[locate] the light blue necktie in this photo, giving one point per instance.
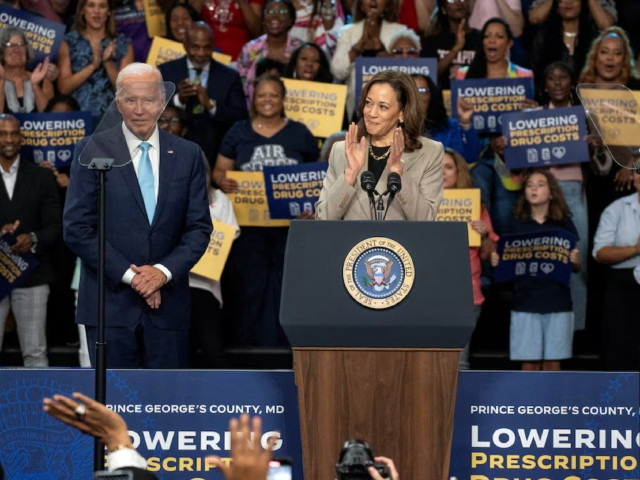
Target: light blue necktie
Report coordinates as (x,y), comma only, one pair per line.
(145,179)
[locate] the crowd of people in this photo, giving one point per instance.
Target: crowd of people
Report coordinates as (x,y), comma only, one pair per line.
(235,114)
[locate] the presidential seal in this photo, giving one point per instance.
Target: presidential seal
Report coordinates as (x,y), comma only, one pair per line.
(378,272)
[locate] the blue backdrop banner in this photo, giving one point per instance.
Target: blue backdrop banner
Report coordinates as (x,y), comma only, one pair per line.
(175,419)
(490,99)
(293,189)
(539,138)
(539,254)
(545,425)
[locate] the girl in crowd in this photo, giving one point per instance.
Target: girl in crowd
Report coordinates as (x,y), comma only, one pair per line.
(386,140)
(541,312)
(309,63)
(451,40)
(455,174)
(369,36)
(233,22)
(278,17)
(457,134)
(178,18)
(318,21)
(565,36)
(257,257)
(492,60)
(617,244)
(91,56)
(21,91)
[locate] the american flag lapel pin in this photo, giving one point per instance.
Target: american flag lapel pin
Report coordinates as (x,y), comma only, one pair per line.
(169,151)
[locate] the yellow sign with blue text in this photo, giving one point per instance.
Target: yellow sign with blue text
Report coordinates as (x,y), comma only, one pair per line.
(461,205)
(250,201)
(154,18)
(212,262)
(164,50)
(320,106)
(616,113)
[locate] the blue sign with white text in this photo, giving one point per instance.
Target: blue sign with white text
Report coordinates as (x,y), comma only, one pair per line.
(14,268)
(367,67)
(293,190)
(539,138)
(490,99)
(51,137)
(539,254)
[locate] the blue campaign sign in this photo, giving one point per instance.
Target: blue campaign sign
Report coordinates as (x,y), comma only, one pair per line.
(51,137)
(14,269)
(539,138)
(294,189)
(545,425)
(175,419)
(490,99)
(367,67)
(539,254)
(44,36)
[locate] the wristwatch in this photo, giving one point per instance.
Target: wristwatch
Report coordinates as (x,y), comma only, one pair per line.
(34,241)
(212,104)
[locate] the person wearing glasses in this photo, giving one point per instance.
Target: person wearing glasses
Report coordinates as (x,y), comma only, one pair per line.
(278,17)
(91,56)
(21,91)
(451,40)
(404,44)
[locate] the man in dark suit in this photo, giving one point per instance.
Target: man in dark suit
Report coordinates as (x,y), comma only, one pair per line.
(157,227)
(210,93)
(30,210)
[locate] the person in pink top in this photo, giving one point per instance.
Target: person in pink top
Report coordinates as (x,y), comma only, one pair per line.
(455,174)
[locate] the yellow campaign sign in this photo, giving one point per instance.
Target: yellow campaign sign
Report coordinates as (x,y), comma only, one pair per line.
(155,18)
(446,98)
(250,201)
(164,50)
(212,262)
(461,205)
(617,114)
(320,106)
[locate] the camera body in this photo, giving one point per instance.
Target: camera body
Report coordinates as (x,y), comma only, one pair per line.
(354,460)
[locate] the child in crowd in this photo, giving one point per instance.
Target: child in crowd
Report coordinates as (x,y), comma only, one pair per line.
(541,310)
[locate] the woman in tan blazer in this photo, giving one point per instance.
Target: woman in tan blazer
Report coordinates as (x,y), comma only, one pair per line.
(386,139)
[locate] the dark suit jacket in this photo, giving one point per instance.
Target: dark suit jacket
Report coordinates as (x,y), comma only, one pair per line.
(223,86)
(36,204)
(177,237)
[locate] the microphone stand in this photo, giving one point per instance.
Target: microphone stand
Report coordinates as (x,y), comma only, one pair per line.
(102,165)
(380,213)
(392,195)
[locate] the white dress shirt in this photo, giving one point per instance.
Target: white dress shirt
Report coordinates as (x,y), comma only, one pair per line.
(9,178)
(204,78)
(133,145)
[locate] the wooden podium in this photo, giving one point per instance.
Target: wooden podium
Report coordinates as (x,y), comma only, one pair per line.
(385,376)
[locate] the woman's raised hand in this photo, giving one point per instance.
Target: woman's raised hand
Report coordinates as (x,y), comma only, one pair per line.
(356,154)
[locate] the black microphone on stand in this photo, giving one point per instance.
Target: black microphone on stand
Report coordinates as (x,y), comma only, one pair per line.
(394,185)
(368,183)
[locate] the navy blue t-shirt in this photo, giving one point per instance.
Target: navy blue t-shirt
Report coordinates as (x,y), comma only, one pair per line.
(251,151)
(540,295)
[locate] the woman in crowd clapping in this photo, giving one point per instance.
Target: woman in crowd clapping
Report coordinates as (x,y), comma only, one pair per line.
(21,91)
(319,21)
(369,35)
(178,18)
(91,56)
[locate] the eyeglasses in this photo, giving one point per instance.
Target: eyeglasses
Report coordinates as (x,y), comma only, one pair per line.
(461,1)
(423,90)
(15,45)
(281,11)
(172,121)
(408,51)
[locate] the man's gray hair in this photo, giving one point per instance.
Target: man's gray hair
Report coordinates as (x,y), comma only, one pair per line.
(135,69)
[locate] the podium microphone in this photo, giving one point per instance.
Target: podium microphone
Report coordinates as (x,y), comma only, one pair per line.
(368,183)
(394,185)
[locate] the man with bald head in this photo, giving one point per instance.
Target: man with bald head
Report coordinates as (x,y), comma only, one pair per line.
(157,228)
(209,92)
